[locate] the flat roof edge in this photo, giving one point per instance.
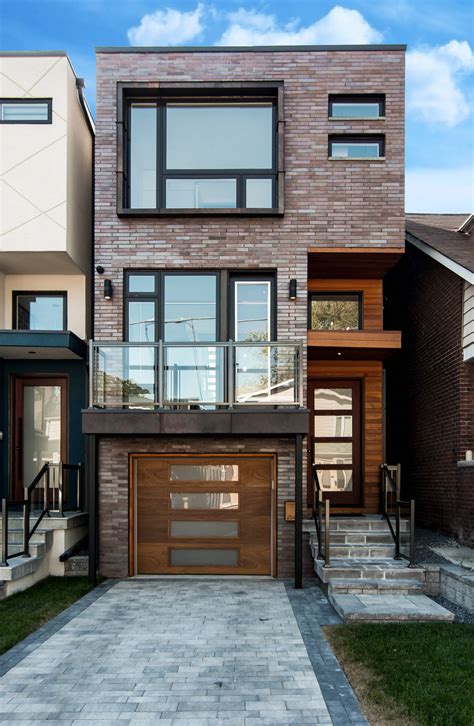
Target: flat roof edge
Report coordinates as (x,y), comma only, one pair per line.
(245,48)
(31,53)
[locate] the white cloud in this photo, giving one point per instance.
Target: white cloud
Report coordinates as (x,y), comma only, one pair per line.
(340,25)
(167,27)
(439,190)
(434,77)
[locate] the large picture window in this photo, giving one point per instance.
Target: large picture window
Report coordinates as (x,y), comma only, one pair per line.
(202,153)
(39,311)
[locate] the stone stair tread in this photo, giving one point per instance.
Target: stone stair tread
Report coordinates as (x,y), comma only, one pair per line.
(373,583)
(384,608)
(19,567)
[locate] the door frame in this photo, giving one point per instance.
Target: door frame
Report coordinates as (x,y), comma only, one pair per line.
(132,503)
(17,384)
(358,417)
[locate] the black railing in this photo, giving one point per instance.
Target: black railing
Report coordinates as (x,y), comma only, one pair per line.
(321,513)
(48,484)
(392,507)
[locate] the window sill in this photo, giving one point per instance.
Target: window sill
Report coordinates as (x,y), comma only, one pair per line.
(356,158)
(230,212)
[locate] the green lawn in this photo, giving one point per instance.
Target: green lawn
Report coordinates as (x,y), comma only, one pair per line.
(420,673)
(24,612)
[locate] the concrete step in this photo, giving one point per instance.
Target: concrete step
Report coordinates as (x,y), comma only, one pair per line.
(385,569)
(19,567)
(16,536)
(361,586)
(388,608)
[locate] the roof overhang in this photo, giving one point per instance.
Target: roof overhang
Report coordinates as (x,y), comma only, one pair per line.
(447,262)
(41,345)
(352,262)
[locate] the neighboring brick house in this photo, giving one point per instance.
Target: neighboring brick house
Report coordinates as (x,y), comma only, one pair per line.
(242,194)
(430,384)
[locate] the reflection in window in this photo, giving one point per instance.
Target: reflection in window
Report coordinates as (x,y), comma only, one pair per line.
(252,310)
(335,312)
(201,193)
(332,426)
(204,500)
(332,399)
(363,149)
(335,452)
(40,311)
(190,308)
(204,472)
(335,480)
(143,156)
(259,193)
(219,136)
(29,112)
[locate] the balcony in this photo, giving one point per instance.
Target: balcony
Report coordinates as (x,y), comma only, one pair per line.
(195,376)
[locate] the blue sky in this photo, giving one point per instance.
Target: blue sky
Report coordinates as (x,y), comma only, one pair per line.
(440,60)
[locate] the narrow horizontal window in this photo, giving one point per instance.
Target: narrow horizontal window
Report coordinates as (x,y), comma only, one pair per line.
(24,111)
(206,529)
(204,472)
(333,426)
(204,500)
(201,193)
(333,453)
(347,147)
(335,311)
(355,107)
(202,558)
(335,480)
(141,283)
(332,399)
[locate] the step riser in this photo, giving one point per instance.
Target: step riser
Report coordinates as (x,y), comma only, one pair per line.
(363,525)
(326,574)
(376,552)
(395,590)
(361,538)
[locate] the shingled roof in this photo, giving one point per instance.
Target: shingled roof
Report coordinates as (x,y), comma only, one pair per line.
(439,232)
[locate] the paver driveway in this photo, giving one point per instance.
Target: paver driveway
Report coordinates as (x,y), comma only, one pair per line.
(184,651)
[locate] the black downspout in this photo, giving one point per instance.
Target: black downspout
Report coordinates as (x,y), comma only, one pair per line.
(298,511)
(91,474)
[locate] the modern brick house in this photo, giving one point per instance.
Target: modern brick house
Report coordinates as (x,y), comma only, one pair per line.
(249,202)
(430,384)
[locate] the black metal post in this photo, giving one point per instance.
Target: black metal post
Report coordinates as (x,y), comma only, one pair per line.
(327,533)
(26,523)
(91,479)
(412,533)
(298,511)
(4,562)
(397,530)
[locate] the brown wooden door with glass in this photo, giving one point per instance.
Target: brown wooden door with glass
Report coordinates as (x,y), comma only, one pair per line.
(336,439)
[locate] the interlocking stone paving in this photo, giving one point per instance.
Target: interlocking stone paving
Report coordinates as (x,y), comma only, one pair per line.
(179,651)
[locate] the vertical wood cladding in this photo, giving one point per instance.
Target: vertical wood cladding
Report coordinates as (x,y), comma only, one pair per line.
(430,394)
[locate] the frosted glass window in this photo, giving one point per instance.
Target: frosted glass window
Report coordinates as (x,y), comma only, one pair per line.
(204,472)
(143,157)
(332,426)
(335,480)
(201,193)
(183,528)
(258,193)
(332,398)
(202,557)
(335,453)
(204,500)
(219,136)
(32,112)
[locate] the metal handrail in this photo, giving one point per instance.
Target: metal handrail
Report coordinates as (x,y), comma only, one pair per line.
(320,504)
(26,502)
(393,486)
(227,368)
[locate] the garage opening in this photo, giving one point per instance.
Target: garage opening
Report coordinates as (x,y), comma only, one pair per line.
(202,514)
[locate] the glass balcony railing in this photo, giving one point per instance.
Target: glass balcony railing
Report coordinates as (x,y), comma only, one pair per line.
(195,375)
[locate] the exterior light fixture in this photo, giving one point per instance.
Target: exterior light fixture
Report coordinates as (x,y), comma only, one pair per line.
(108,289)
(293,289)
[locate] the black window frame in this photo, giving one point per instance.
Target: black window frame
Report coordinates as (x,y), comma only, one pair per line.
(199,93)
(334,296)
(357,139)
(28,101)
(361,98)
(38,293)
(225,279)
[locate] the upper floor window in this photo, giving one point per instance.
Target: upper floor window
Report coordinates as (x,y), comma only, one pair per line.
(367,106)
(367,146)
(25,111)
(39,311)
(335,311)
(199,152)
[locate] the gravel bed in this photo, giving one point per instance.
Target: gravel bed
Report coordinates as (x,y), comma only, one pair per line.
(463,615)
(427,538)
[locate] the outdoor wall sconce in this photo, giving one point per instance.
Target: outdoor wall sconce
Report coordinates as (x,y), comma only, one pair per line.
(293,289)
(108,289)
(290,511)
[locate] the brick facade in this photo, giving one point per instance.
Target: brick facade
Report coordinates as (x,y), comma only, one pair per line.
(430,395)
(327,204)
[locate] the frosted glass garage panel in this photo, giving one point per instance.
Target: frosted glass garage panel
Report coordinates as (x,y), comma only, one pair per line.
(204,500)
(182,528)
(203,557)
(204,472)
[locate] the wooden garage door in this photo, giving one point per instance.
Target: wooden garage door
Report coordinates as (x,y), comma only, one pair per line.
(202,515)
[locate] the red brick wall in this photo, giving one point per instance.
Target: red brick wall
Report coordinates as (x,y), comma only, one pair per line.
(430,395)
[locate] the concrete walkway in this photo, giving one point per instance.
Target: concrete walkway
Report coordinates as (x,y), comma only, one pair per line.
(179,651)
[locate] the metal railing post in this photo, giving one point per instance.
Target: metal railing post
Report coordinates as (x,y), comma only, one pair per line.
(327,533)
(92,374)
(26,523)
(78,486)
(160,374)
(412,533)
(397,530)
(319,508)
(60,488)
(46,491)
(399,481)
(4,561)
(231,373)
(300,374)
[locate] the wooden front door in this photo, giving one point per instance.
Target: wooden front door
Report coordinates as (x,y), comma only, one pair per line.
(336,443)
(201,514)
(39,427)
